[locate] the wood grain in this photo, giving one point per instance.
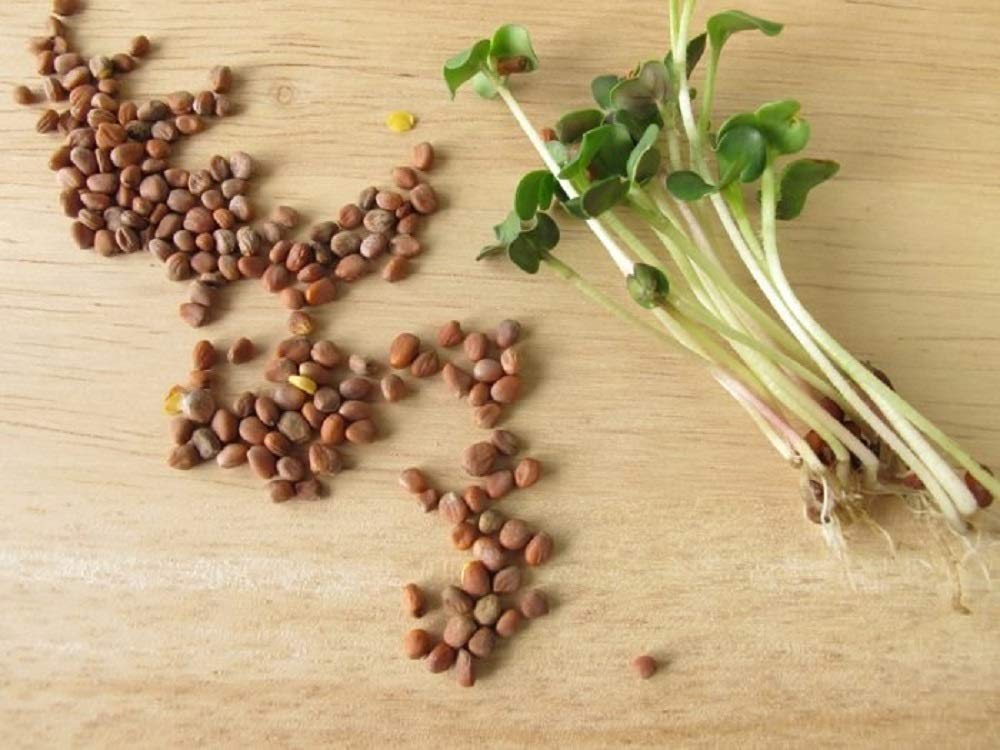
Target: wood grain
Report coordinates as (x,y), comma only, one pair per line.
(144,607)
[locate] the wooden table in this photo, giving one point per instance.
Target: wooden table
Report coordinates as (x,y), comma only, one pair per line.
(144,607)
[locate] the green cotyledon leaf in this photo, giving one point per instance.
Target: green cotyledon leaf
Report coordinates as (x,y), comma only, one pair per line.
(797,180)
(461,68)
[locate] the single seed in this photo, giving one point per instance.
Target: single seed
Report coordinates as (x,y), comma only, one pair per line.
(425,365)
(509,623)
(413,600)
(262,462)
(507,580)
(413,480)
(428,500)
(499,483)
(456,601)
(464,536)
(326,353)
(203,355)
(510,361)
(198,406)
(440,658)
(476,346)
(487,371)
(423,156)
(396,269)
(226,425)
(356,388)
(534,604)
(291,469)
(478,459)
(324,460)
(242,350)
(527,473)
(206,442)
(456,379)
(424,199)
(476,498)
(488,416)
(508,332)
(232,456)
(393,388)
(453,508)
(487,610)
(490,521)
(181,429)
(281,491)
(417,643)
(361,365)
(289,397)
(405,178)
(139,46)
(644,666)
(23,95)
(539,550)
(459,630)
(450,334)
(183,457)
(403,350)
(361,433)
(475,579)
(465,668)
(489,552)
(505,442)
(507,389)
(221,78)
(482,642)
(300,323)
(515,534)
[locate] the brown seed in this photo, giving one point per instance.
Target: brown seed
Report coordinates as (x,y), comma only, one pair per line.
(48,121)
(487,371)
(423,156)
(453,508)
(281,491)
(450,334)
(984,498)
(456,601)
(290,398)
(291,469)
(374,246)
(350,216)
(490,521)
(388,200)
(476,346)
(198,406)
(294,427)
(242,350)
(352,268)
(489,552)
(324,459)
(539,550)
(507,389)
(193,314)
(507,580)
(440,658)
(204,104)
(241,165)
(232,456)
(183,457)
(356,388)
(482,642)
(417,644)
(644,666)
(396,269)
(393,388)
(403,350)
(285,216)
(508,332)
(409,224)
(425,365)
(221,78)
(428,500)
(226,425)
(361,365)
(527,473)
(505,442)
(510,361)
(487,610)
(380,221)
(464,536)
(499,483)
(278,370)
(262,462)
(243,404)
(333,430)
(139,46)
(300,323)
(181,429)
(424,199)
(414,603)
(206,443)
(488,415)
(223,105)
(515,534)
(413,480)
(476,498)
(83,236)
(355,411)
(253,430)
(361,433)
(278,444)
(405,178)
(465,669)
(200,379)
(475,579)
(478,459)
(23,95)
(509,623)
(321,292)
(267,410)
(458,630)
(534,604)
(456,379)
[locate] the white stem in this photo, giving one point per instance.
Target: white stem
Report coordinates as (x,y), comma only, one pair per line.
(621,259)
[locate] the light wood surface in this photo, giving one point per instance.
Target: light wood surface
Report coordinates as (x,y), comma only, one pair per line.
(144,607)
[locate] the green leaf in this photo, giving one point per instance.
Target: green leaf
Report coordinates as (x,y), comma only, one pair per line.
(534,192)
(545,234)
(780,123)
(742,154)
(637,125)
(797,180)
(603,195)
(509,230)
(592,142)
(463,66)
(745,118)
(653,75)
(558,152)
(483,86)
(524,255)
(648,286)
(644,161)
(695,50)
(573,125)
(688,186)
(612,157)
(723,25)
(632,95)
(491,251)
(511,50)
(601,87)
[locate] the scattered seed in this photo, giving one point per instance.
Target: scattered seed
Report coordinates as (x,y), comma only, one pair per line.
(509,623)
(300,323)
(456,379)
(527,473)
(499,483)
(23,95)
(232,456)
(183,457)
(361,365)
(538,550)
(488,416)
(450,334)
(324,460)
(515,534)
(417,643)
(414,603)
(507,389)
(198,406)
(505,442)
(644,666)
(440,658)
(242,350)
(413,480)
(476,498)
(489,552)
(465,669)
(425,365)
(393,388)
(534,604)
(490,521)
(281,491)
(475,579)
(403,351)
(478,459)
(203,355)
(423,156)
(428,500)
(476,346)
(508,332)
(400,121)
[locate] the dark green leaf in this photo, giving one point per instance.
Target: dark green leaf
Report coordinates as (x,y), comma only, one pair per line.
(637,125)
(644,161)
(592,142)
(780,123)
(573,125)
(463,66)
(632,95)
(612,158)
(745,118)
(696,48)
(653,76)
(534,192)
(544,235)
(511,50)
(524,255)
(742,154)
(603,195)
(688,186)
(491,251)
(648,286)
(509,230)
(797,180)
(574,208)
(601,87)
(724,25)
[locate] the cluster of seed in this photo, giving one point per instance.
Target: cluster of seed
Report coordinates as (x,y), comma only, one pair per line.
(290,434)
(485,605)
(124,195)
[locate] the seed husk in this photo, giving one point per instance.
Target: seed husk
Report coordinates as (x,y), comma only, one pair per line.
(456,601)
(478,459)
(534,604)
(417,643)
(440,658)
(414,602)
(644,666)
(509,623)
(539,550)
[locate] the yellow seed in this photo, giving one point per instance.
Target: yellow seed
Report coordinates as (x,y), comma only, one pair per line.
(303,383)
(172,403)
(400,121)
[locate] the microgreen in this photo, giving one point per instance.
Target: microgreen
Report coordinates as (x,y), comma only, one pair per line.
(628,155)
